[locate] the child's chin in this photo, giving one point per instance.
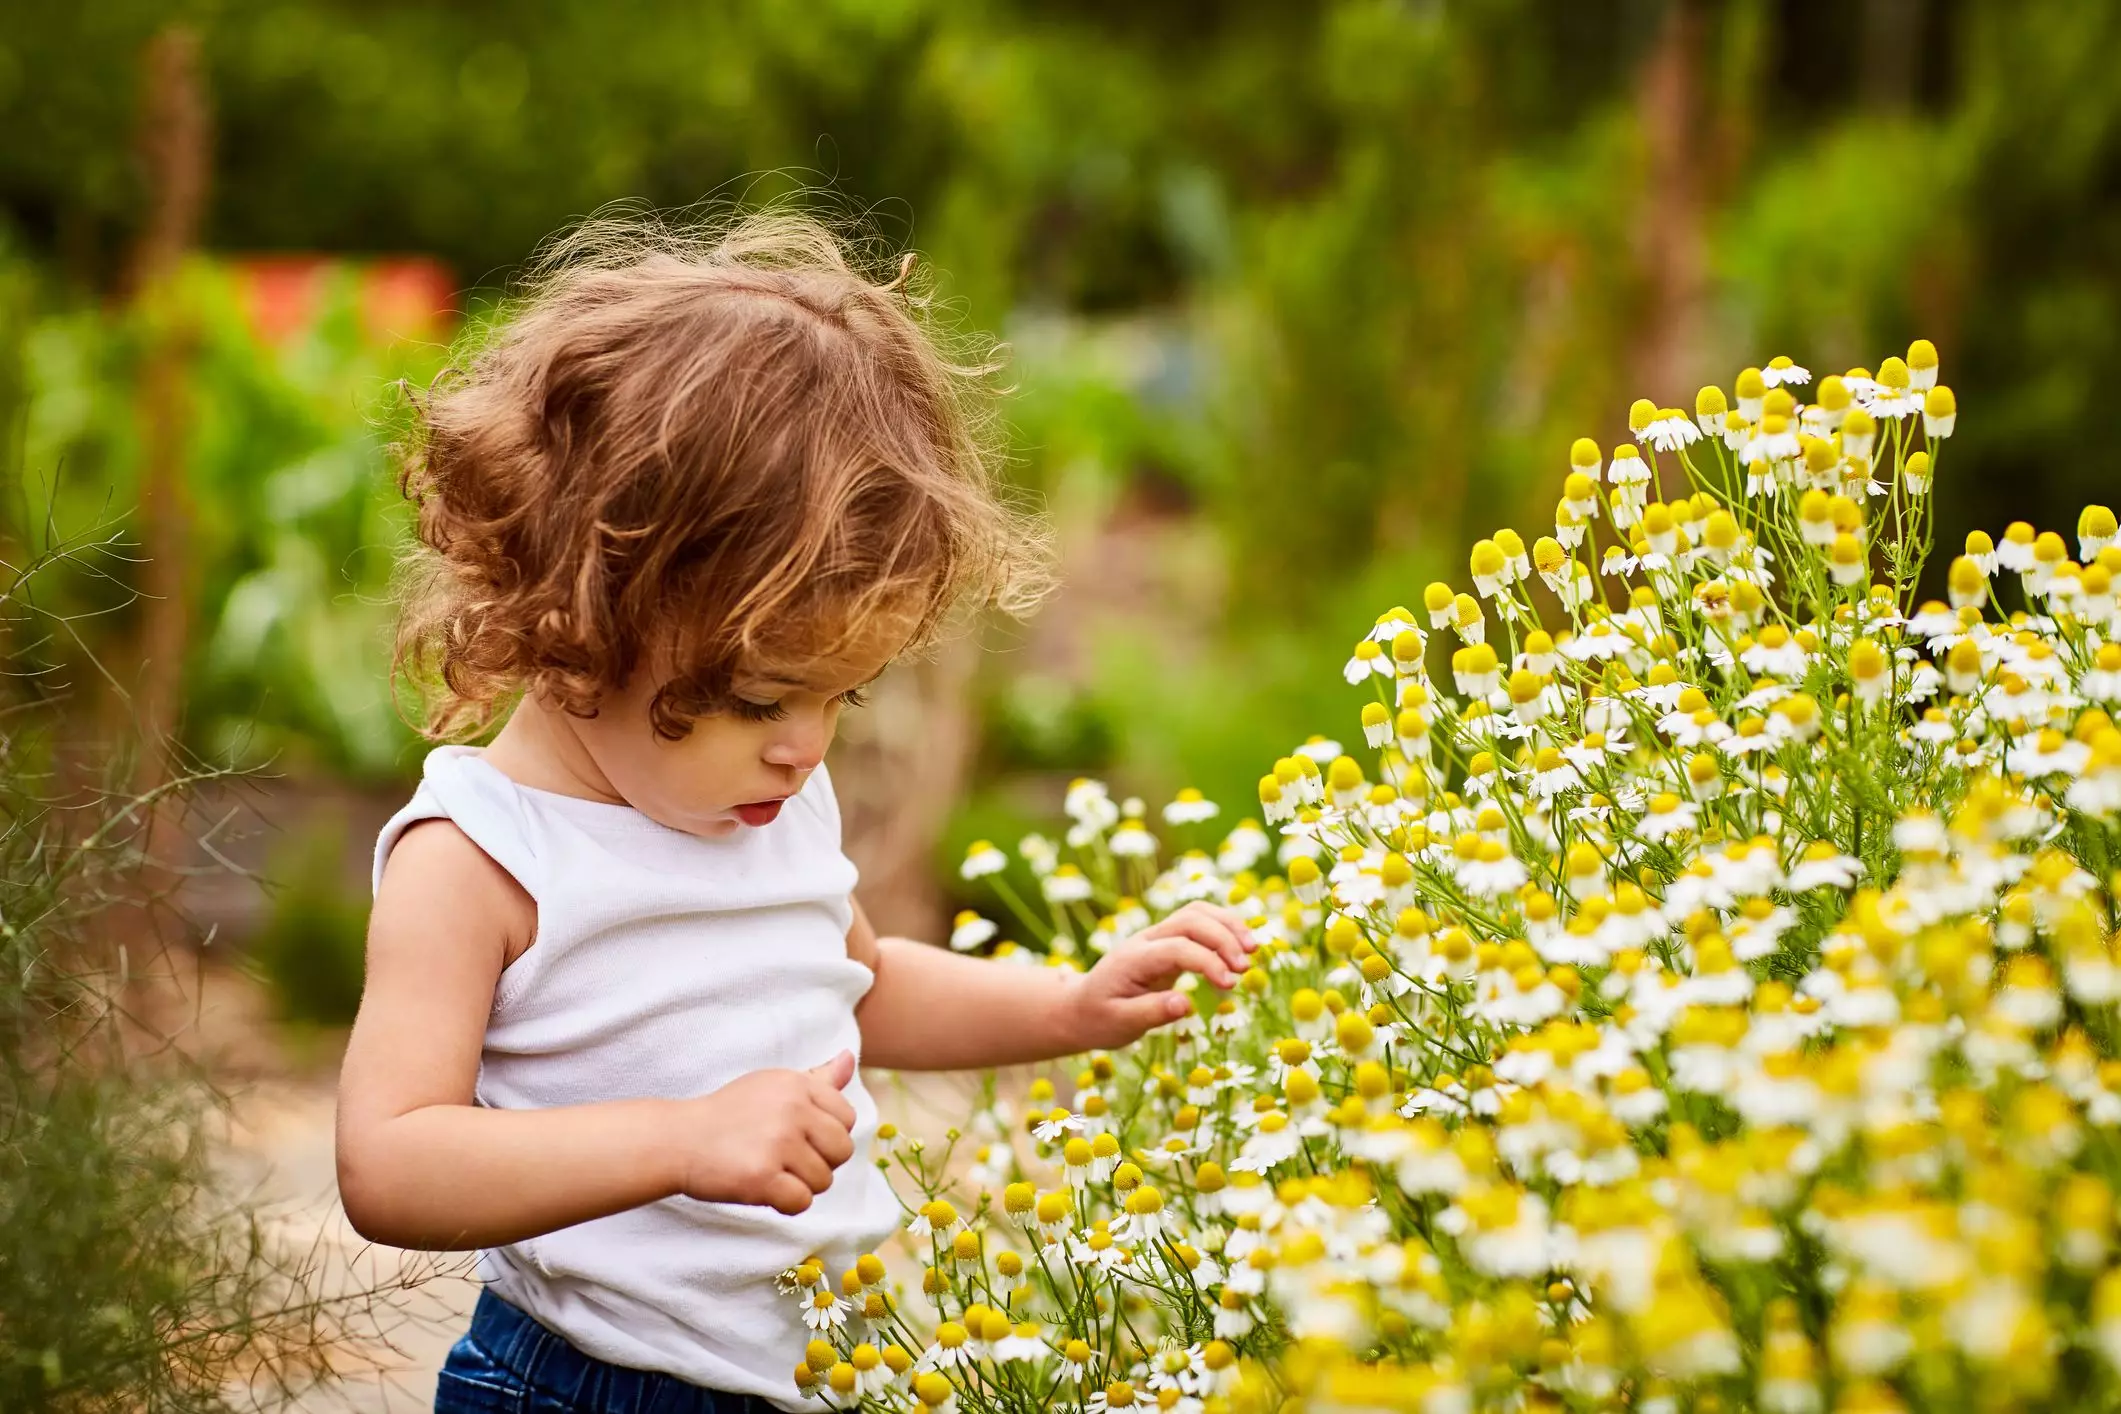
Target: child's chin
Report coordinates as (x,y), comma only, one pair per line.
(712,827)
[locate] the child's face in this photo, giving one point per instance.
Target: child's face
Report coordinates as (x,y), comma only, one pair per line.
(735,769)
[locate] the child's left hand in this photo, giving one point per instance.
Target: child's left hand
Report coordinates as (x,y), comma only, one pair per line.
(1129,992)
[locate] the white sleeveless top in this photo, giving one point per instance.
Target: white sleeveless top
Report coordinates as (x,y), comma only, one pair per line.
(666,965)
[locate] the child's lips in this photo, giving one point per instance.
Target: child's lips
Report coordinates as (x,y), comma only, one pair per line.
(760,812)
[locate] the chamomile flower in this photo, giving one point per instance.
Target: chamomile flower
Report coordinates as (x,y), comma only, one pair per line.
(937,1218)
(1670,430)
(1242,848)
(1491,871)
(1370,659)
(1318,750)
(1782,373)
(1057,1125)
(1090,802)
(1025,1344)
(823,1311)
(953,1349)
(1118,1397)
(1131,841)
(1776,653)
(1054,1212)
(1775,439)
(1627,472)
(2096,531)
(968,931)
(1894,394)
(1710,407)
(1916,474)
(1190,807)
(1468,619)
(1078,1360)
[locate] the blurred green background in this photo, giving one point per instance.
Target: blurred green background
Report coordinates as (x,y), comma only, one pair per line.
(1302,298)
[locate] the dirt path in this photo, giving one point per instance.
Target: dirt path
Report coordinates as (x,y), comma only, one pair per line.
(404,1308)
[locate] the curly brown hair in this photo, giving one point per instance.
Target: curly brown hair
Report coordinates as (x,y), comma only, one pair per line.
(693,451)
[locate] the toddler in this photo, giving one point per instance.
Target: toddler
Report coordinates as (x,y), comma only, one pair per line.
(691,497)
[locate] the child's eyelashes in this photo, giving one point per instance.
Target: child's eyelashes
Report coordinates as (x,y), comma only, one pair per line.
(774,711)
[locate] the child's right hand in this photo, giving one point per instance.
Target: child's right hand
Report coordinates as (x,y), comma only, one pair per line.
(772,1137)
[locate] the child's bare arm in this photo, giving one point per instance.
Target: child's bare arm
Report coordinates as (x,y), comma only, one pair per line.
(421,1166)
(932,1009)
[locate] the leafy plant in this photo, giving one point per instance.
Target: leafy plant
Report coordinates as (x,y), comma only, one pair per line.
(133,1274)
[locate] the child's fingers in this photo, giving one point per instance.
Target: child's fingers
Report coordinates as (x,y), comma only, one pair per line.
(830,1138)
(1146,1013)
(1239,924)
(1162,957)
(837,1071)
(1229,926)
(789,1194)
(1210,931)
(829,1100)
(808,1165)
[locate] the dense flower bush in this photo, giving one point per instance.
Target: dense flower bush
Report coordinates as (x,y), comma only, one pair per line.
(1703,995)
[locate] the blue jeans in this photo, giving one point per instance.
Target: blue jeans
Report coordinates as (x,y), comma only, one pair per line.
(509,1364)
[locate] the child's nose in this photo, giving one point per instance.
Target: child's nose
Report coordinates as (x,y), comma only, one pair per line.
(802,746)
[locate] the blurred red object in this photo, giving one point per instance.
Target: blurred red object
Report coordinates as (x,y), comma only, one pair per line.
(407,297)
(399,297)
(280,293)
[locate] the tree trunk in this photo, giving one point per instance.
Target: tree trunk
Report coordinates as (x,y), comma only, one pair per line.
(146,680)
(173,149)
(1675,246)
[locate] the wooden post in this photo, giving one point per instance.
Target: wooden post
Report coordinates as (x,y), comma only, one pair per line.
(1675,244)
(146,702)
(173,152)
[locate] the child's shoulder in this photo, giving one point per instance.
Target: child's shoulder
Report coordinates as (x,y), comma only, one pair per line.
(466,851)
(453,859)
(458,789)
(437,879)
(436,850)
